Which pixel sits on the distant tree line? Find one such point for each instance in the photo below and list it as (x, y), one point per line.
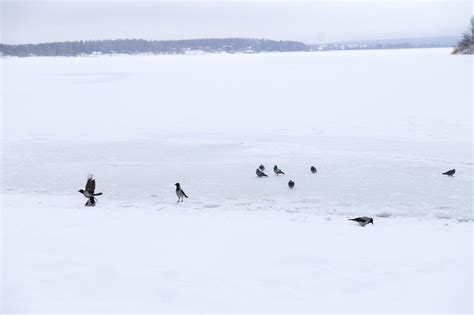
(372, 46)
(140, 46)
(466, 45)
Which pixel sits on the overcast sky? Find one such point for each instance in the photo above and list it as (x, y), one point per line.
(307, 21)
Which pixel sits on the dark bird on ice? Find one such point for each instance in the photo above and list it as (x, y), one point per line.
(89, 193)
(291, 184)
(180, 193)
(363, 221)
(313, 169)
(450, 172)
(261, 167)
(277, 170)
(260, 173)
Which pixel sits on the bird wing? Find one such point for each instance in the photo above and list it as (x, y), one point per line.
(90, 186)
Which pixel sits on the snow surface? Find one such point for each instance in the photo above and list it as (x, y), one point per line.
(380, 126)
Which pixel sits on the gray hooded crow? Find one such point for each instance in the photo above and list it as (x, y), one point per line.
(363, 221)
(277, 170)
(89, 192)
(313, 169)
(260, 173)
(291, 184)
(450, 172)
(180, 193)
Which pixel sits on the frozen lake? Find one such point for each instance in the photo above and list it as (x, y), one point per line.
(380, 126)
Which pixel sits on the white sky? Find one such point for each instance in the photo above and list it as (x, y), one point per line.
(307, 21)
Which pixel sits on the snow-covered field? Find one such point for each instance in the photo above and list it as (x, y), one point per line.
(380, 126)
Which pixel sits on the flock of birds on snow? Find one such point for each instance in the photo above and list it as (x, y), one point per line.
(90, 194)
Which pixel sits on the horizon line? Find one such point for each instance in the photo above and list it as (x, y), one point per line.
(246, 38)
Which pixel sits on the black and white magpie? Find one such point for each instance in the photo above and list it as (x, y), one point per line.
(260, 173)
(313, 169)
(363, 221)
(291, 184)
(277, 170)
(450, 172)
(89, 192)
(180, 193)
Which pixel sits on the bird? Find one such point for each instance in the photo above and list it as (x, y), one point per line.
(89, 192)
(261, 167)
(260, 173)
(450, 172)
(363, 221)
(291, 184)
(180, 193)
(277, 170)
(313, 169)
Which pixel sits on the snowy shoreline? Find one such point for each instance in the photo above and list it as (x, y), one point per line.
(60, 257)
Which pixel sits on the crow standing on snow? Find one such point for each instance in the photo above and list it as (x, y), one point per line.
(313, 169)
(291, 184)
(89, 192)
(261, 167)
(180, 193)
(277, 170)
(260, 173)
(450, 172)
(363, 221)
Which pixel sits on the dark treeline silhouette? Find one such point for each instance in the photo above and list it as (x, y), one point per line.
(466, 44)
(139, 46)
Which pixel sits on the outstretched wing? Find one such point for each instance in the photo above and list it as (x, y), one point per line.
(90, 186)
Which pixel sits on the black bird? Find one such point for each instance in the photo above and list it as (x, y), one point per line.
(450, 172)
(260, 173)
(277, 170)
(363, 221)
(261, 167)
(89, 192)
(180, 193)
(313, 169)
(291, 184)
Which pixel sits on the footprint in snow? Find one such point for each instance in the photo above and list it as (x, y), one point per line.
(211, 206)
